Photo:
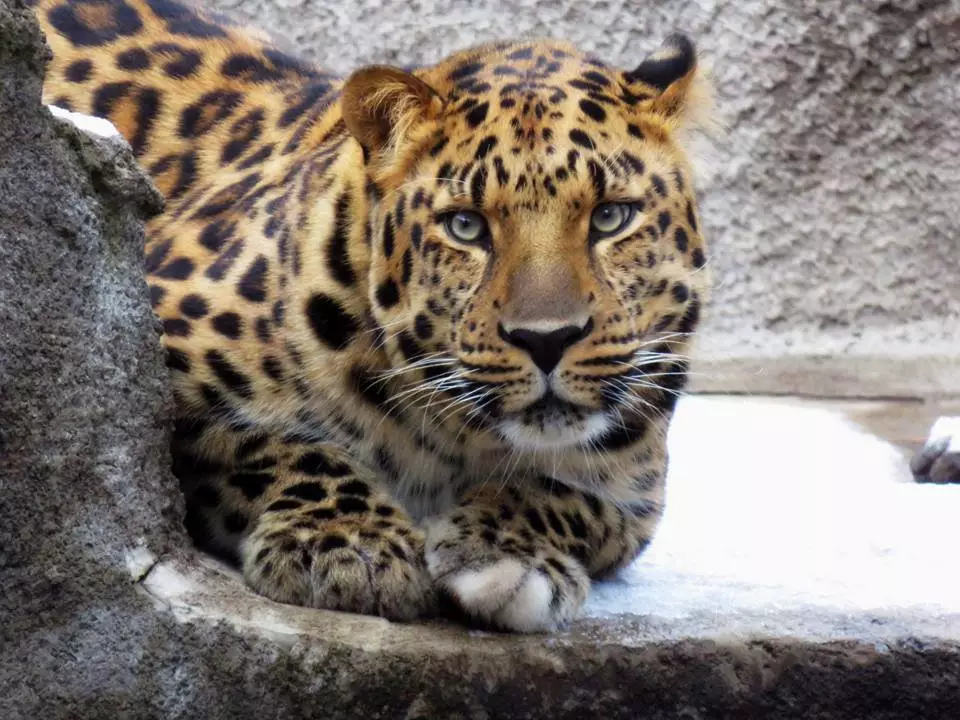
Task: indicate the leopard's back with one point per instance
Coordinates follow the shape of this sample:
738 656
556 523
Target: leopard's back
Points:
196 97
242 140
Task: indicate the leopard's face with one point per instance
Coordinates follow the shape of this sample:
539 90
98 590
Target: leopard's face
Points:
540 259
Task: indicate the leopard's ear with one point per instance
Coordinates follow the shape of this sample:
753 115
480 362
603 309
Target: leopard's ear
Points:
384 107
676 88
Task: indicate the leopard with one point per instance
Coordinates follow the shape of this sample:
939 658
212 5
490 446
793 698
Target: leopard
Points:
425 326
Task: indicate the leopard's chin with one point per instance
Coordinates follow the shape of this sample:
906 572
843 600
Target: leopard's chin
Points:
553 424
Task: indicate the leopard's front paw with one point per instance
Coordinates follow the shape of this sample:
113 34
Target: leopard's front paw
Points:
353 566
503 580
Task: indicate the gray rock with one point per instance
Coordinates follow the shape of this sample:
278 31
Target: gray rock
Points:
831 201
107 613
84 392
84 401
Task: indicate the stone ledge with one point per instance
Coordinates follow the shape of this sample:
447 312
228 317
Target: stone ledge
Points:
192 588
206 634
912 373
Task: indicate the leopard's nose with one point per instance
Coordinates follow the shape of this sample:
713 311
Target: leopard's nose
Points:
546 347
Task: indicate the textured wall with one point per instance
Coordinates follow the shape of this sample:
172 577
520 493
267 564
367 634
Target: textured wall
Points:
832 203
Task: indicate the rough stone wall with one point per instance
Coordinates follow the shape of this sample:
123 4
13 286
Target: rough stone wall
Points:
831 203
81 388
84 395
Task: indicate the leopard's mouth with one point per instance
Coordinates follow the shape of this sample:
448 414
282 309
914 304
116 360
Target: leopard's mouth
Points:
552 423
550 402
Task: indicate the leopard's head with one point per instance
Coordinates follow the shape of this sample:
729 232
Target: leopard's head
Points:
536 249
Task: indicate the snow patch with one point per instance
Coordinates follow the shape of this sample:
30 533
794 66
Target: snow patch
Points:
87 123
775 506
947 428
168 584
139 561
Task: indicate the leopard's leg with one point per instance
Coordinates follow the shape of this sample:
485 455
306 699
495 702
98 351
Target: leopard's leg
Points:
522 558
310 527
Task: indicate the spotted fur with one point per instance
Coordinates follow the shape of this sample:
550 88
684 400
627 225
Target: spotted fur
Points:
362 418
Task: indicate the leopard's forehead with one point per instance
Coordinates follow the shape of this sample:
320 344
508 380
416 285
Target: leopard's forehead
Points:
541 132
542 74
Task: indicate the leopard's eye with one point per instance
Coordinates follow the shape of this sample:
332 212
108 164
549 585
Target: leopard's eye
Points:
466 226
610 218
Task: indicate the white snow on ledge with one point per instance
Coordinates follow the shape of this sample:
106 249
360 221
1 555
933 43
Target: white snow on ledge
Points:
87 123
772 507
947 428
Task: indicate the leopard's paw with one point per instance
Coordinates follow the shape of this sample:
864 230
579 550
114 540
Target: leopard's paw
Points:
500 580
352 566
939 460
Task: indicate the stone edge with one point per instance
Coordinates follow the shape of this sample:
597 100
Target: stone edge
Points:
828 376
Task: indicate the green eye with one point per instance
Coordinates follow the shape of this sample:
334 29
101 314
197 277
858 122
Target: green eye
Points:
610 218
466 226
